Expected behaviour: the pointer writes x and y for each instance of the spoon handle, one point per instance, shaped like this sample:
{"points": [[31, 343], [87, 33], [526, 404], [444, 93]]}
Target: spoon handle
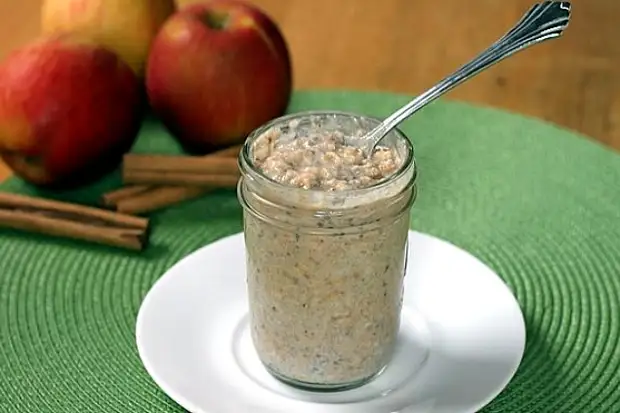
{"points": [[544, 21]]}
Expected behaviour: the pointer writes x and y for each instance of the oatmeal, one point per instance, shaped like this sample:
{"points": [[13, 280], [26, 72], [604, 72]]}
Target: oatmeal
{"points": [[325, 279], [321, 160], [325, 309]]}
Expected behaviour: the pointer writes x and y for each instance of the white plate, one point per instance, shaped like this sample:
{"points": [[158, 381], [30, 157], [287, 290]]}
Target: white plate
{"points": [[461, 340]]}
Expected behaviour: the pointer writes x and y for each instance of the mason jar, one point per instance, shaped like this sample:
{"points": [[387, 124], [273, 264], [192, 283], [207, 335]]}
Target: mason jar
{"points": [[325, 268]]}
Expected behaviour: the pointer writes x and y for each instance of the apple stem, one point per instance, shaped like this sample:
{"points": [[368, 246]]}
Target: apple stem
{"points": [[216, 20]]}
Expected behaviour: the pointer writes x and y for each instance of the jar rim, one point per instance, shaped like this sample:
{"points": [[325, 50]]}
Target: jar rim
{"points": [[246, 163]]}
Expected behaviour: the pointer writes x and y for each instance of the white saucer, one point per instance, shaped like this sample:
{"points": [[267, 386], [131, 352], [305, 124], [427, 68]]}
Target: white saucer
{"points": [[461, 340]]}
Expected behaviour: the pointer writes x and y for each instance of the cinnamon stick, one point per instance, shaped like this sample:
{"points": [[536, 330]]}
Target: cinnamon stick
{"points": [[180, 170], [136, 199], [165, 164], [75, 221], [181, 178], [158, 197], [231, 151], [111, 198]]}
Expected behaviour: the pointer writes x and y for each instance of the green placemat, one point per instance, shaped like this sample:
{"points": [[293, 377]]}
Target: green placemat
{"points": [[536, 203]]}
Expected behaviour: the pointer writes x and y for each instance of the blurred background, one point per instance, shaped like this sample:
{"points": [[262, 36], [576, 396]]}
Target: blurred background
{"points": [[406, 46]]}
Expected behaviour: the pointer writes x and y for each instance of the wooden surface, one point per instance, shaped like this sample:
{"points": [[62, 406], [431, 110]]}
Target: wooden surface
{"points": [[406, 46]]}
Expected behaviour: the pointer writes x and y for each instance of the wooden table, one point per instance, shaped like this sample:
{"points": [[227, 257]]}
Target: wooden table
{"points": [[406, 46]]}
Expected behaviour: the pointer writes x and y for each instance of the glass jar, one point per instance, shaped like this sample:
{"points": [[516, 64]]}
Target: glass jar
{"points": [[325, 268]]}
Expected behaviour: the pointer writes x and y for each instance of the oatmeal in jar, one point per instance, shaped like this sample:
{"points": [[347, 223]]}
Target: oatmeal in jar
{"points": [[326, 233], [321, 160]]}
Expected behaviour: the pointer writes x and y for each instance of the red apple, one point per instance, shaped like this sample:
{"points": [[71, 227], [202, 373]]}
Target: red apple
{"points": [[216, 71], [69, 109]]}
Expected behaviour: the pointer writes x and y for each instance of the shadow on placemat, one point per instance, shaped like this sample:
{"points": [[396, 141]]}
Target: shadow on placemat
{"points": [[536, 203]]}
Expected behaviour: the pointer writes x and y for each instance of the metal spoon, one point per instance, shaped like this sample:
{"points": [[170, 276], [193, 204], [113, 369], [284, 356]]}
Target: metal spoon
{"points": [[544, 21]]}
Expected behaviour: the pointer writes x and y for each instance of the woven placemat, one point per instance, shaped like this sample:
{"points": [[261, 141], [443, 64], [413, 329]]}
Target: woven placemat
{"points": [[538, 204]]}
